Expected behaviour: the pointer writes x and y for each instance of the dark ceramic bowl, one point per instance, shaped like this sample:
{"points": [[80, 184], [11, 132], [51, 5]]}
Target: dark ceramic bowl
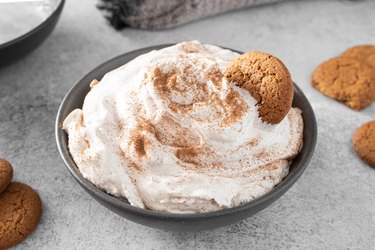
{"points": [[179, 222], [17, 48]]}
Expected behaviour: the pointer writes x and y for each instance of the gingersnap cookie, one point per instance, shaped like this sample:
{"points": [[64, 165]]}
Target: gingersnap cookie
{"points": [[364, 53], [364, 142], [21, 210], [346, 80], [268, 81], [6, 174]]}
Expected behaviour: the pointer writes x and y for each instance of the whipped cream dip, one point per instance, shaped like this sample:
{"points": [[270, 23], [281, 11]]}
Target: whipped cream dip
{"points": [[169, 133]]}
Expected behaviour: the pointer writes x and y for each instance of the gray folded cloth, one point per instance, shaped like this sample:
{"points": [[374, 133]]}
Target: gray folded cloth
{"points": [[161, 14]]}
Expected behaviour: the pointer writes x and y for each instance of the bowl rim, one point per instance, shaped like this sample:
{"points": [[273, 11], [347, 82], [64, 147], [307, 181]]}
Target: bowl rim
{"points": [[282, 187]]}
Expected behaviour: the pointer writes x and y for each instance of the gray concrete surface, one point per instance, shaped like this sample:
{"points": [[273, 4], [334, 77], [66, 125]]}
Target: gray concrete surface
{"points": [[331, 206]]}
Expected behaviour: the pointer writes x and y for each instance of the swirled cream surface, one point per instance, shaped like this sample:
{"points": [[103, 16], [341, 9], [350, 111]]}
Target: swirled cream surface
{"points": [[169, 133]]}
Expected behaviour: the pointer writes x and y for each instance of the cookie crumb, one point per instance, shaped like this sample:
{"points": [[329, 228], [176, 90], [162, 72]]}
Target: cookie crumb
{"points": [[93, 83]]}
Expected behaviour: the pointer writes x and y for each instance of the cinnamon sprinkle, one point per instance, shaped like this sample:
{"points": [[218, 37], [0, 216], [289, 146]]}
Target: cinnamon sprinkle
{"points": [[185, 82], [134, 166], [187, 154], [189, 47], [169, 132], [139, 145], [254, 142], [138, 139], [262, 155], [126, 159]]}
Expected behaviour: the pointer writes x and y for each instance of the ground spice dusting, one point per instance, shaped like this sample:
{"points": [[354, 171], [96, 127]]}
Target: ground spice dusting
{"points": [[134, 166], [254, 142], [262, 169], [187, 154], [183, 82], [160, 79], [120, 126], [215, 76], [130, 164], [235, 108], [121, 154], [262, 155], [169, 132], [190, 48], [179, 81], [139, 145], [138, 135]]}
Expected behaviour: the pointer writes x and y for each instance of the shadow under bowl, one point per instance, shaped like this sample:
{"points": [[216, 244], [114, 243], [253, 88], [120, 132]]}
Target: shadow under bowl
{"points": [[169, 221]]}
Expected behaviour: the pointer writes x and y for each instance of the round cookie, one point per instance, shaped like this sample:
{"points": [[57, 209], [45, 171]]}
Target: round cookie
{"points": [[6, 174], [347, 80], [364, 142], [21, 210], [268, 81], [364, 53]]}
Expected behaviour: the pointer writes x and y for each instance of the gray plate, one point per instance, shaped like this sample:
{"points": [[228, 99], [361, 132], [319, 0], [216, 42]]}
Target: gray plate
{"points": [[179, 222]]}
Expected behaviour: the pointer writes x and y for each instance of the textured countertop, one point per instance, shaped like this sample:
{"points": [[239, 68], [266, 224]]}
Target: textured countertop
{"points": [[331, 206]]}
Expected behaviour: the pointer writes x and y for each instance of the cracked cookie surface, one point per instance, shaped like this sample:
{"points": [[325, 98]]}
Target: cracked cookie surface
{"points": [[364, 142], [6, 174], [364, 53], [268, 81], [346, 80], [21, 210]]}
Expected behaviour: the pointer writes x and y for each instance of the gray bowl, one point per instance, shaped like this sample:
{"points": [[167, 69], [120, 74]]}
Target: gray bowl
{"points": [[15, 49], [168, 221]]}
